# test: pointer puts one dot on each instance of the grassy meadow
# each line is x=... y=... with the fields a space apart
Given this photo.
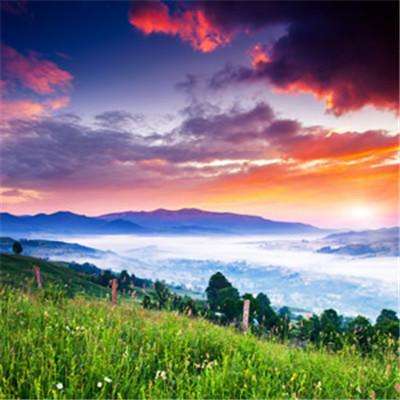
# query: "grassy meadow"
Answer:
x=16 y=271
x=56 y=347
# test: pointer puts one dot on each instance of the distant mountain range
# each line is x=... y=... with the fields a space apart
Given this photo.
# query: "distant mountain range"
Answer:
x=64 y=223
x=185 y=221
x=376 y=242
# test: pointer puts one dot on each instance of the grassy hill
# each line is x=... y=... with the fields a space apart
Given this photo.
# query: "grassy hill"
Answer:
x=17 y=271
x=86 y=348
x=83 y=347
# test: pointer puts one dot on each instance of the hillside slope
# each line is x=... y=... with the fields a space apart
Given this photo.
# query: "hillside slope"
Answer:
x=17 y=271
x=90 y=349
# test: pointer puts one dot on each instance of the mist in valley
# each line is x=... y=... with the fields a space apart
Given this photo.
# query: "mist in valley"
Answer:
x=289 y=269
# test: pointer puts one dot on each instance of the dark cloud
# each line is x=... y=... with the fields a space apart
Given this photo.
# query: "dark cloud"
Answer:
x=344 y=53
x=117 y=118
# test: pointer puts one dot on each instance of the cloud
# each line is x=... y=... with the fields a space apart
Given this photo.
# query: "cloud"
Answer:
x=46 y=80
x=41 y=76
x=54 y=152
x=117 y=118
x=317 y=56
x=20 y=109
x=14 y=196
x=191 y=25
x=234 y=158
x=29 y=109
x=342 y=53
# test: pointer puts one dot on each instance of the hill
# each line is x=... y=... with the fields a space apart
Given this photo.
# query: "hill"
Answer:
x=64 y=223
x=17 y=271
x=51 y=248
x=90 y=349
x=376 y=242
x=192 y=220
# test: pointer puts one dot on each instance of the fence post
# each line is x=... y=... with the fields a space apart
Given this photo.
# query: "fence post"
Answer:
x=38 y=276
x=246 y=309
x=114 y=287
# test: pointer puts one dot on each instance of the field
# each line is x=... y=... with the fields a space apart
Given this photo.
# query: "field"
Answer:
x=54 y=347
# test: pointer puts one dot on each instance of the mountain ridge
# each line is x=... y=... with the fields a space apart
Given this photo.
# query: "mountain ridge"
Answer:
x=183 y=221
x=231 y=222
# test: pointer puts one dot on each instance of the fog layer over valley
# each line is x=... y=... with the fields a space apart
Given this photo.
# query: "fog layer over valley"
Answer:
x=289 y=269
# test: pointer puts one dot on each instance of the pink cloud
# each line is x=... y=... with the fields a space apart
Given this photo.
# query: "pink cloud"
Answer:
x=41 y=76
x=192 y=26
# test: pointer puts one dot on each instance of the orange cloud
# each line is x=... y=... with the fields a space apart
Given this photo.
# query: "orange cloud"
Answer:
x=28 y=109
x=20 y=109
x=41 y=76
x=258 y=55
x=58 y=103
x=330 y=145
x=191 y=26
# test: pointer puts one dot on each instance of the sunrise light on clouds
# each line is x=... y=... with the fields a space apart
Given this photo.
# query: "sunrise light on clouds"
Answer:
x=249 y=123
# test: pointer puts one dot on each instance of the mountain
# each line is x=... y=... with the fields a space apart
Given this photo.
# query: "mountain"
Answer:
x=382 y=242
x=191 y=220
x=185 y=221
x=65 y=223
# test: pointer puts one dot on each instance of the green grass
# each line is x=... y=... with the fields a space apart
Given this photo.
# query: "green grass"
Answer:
x=147 y=354
x=17 y=271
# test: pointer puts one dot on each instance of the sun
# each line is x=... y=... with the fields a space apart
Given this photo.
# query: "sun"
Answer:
x=361 y=212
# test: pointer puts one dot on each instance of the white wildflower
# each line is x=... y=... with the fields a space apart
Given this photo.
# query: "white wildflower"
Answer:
x=99 y=384
x=161 y=375
x=59 y=386
x=107 y=379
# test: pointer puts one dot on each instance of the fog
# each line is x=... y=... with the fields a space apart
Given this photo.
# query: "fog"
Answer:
x=288 y=269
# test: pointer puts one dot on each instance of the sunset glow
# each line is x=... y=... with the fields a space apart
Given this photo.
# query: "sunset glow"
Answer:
x=176 y=105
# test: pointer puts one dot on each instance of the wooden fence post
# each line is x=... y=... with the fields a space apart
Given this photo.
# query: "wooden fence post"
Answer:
x=38 y=276
x=246 y=309
x=114 y=287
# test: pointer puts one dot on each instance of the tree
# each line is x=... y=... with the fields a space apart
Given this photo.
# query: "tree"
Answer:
x=360 y=333
x=216 y=283
x=265 y=314
x=124 y=280
x=388 y=323
x=146 y=303
x=331 y=324
x=223 y=297
x=162 y=293
x=105 y=277
x=17 y=248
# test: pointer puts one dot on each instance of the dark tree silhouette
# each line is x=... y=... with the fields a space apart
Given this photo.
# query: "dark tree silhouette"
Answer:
x=17 y=248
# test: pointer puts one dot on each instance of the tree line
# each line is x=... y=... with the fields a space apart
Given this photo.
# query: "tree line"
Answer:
x=224 y=306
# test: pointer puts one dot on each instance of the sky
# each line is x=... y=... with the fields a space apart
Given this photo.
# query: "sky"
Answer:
x=288 y=110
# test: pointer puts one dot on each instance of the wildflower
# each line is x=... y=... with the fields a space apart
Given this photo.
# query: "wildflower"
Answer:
x=107 y=379
x=294 y=376
x=161 y=375
x=99 y=384
x=59 y=386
